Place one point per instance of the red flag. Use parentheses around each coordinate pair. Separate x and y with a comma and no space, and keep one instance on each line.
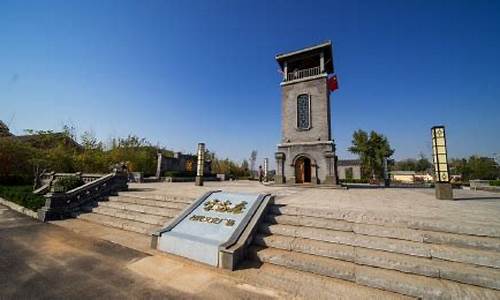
(333,84)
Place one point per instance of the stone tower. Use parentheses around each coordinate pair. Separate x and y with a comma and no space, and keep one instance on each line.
(306,153)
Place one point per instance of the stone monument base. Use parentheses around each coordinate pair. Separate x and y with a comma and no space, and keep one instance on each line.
(330,180)
(278,179)
(199,181)
(444,191)
(215,229)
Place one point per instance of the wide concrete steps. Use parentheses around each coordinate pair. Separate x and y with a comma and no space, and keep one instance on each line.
(387,280)
(159,197)
(130,215)
(430,267)
(430,224)
(137,212)
(417,257)
(418,249)
(148,202)
(306,285)
(119,223)
(139,208)
(390,231)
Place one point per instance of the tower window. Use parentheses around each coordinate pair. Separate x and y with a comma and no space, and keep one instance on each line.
(303,112)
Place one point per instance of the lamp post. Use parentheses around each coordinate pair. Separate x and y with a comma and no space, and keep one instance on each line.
(440,159)
(201,164)
(387,180)
(266,169)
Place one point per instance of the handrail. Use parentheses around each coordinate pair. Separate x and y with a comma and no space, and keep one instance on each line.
(90,184)
(72,202)
(299,74)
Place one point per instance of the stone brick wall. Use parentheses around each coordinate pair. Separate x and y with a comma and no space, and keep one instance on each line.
(320,107)
(356,171)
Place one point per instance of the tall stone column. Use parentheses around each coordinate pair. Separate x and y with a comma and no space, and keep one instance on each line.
(280,165)
(331,177)
(158,165)
(266,169)
(200,165)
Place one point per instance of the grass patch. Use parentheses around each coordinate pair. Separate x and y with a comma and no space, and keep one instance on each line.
(22,195)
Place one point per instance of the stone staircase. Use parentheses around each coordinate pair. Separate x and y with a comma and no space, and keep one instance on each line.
(422,258)
(135,211)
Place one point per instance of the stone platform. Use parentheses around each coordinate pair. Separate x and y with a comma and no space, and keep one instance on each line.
(470,207)
(329,243)
(402,241)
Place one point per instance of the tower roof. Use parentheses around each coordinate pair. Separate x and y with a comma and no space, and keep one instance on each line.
(325,47)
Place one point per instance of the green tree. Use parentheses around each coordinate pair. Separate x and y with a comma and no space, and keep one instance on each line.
(16,161)
(371,149)
(475,167)
(423,164)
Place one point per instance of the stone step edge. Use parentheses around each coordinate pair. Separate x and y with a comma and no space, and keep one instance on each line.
(98,212)
(444,252)
(420,223)
(480,276)
(158,197)
(106,204)
(400,233)
(387,280)
(131,225)
(165,204)
(306,285)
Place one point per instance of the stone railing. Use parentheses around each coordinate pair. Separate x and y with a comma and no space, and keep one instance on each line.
(299,74)
(45,180)
(71,203)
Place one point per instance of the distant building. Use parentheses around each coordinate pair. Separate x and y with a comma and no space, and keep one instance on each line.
(410,177)
(349,169)
(180,163)
(403,176)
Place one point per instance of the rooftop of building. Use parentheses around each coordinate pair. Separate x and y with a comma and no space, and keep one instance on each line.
(348,162)
(325,47)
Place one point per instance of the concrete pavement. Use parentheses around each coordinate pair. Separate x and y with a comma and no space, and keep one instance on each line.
(46,261)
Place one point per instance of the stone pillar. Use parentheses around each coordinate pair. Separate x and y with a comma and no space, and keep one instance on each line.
(444,191)
(266,169)
(158,165)
(440,158)
(331,177)
(280,164)
(314,173)
(200,165)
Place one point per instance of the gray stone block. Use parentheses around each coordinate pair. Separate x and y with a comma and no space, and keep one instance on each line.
(468,256)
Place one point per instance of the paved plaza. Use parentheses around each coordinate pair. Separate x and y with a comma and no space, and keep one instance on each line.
(470,207)
(75,258)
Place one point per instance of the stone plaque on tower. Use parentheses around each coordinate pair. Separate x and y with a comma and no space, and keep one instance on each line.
(306,153)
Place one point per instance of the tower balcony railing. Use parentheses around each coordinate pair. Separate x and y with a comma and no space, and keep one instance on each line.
(304,73)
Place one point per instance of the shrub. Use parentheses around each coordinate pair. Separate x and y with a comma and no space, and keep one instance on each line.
(67,183)
(22,195)
(495,182)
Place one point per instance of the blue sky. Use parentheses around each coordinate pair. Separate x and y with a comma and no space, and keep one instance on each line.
(180,72)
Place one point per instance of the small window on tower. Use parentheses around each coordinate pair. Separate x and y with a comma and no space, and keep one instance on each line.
(303,112)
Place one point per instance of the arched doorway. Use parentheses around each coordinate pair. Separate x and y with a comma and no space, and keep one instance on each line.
(302,170)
